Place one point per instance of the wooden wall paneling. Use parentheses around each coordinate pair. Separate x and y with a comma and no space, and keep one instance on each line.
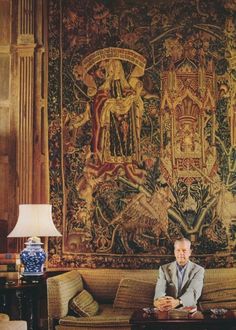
(13,199)
(41,173)
(3,235)
(40,151)
(4,72)
(5,136)
(4,179)
(29,115)
(4,131)
(4,162)
(5,6)
(22,104)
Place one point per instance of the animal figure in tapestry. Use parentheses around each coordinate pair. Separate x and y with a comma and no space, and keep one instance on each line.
(143,214)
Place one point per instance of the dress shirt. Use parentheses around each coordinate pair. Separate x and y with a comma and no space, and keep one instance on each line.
(180,275)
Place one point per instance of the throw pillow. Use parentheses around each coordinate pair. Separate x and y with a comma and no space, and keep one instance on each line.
(134,294)
(83,304)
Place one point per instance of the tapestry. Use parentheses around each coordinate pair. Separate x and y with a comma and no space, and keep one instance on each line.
(142,131)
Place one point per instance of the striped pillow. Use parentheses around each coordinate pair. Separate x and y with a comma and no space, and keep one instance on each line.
(83,304)
(134,294)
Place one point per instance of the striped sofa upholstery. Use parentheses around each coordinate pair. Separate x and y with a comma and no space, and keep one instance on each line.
(103,284)
(219,290)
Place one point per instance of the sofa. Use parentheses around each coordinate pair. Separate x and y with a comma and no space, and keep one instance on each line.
(107,297)
(6,324)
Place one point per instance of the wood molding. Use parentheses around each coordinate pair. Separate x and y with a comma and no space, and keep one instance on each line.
(4,49)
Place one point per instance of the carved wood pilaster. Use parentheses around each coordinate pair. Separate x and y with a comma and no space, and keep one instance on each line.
(32,59)
(23,49)
(25,57)
(28,122)
(25,22)
(24,54)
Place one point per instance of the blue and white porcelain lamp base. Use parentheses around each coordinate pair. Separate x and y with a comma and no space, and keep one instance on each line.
(33,258)
(34,221)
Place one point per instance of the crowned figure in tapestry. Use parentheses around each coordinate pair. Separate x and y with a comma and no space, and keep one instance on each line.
(142,131)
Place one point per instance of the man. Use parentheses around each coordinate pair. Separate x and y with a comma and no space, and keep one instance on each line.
(180,282)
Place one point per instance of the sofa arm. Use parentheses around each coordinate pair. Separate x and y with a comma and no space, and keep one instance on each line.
(60,289)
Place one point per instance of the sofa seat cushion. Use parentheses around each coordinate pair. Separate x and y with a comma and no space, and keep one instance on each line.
(107,317)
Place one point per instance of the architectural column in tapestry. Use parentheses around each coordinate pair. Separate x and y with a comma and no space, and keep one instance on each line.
(194,145)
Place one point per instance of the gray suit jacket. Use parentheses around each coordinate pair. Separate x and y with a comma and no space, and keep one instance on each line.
(167,283)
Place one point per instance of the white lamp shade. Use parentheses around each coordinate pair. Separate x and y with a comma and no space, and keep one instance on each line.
(34,220)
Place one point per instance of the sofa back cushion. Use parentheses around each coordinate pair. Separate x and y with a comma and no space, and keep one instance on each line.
(134,294)
(108,318)
(103,283)
(219,275)
(219,295)
(215,291)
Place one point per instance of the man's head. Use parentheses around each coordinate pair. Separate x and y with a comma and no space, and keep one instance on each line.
(182,250)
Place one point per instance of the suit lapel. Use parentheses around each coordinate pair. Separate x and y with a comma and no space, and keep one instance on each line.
(173,273)
(186,274)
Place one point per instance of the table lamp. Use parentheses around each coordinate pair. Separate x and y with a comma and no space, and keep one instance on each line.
(34,220)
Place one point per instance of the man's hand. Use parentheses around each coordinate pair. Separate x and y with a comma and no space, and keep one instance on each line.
(166,303)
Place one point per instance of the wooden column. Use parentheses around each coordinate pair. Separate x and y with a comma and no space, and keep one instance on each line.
(23,109)
(5,113)
(32,141)
(25,66)
(23,47)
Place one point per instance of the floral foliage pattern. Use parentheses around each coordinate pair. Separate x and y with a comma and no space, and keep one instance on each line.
(142,131)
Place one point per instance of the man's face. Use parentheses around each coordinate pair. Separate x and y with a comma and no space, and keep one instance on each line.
(182,253)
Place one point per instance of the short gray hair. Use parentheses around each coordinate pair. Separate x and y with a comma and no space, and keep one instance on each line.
(182,240)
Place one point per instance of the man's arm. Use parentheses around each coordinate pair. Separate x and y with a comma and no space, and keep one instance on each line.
(160,289)
(166,303)
(161,301)
(194,290)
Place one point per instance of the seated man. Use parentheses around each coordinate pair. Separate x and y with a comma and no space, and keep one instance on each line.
(179,282)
